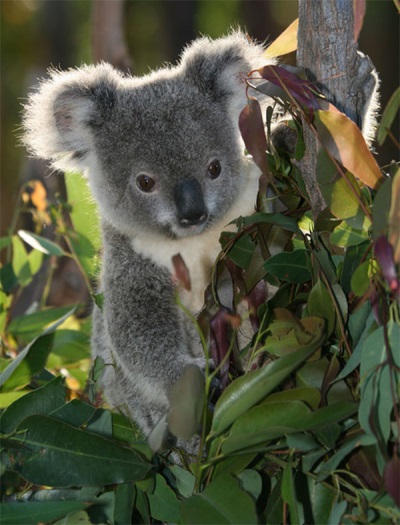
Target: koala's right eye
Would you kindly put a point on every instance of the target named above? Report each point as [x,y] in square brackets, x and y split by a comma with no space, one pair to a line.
[145,183]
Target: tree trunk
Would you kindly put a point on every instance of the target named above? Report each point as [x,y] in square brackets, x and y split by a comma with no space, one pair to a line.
[108,42]
[327,50]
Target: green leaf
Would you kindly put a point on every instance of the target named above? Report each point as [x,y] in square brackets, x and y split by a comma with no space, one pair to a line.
[164,505]
[124,503]
[41,244]
[86,225]
[31,325]
[322,499]
[29,362]
[352,260]
[389,114]
[293,267]
[222,502]
[32,513]
[242,250]
[84,214]
[287,223]
[41,401]
[344,235]
[72,518]
[251,388]
[320,304]
[20,262]
[75,413]
[338,510]
[251,482]
[184,480]
[376,401]
[326,468]
[269,421]
[87,459]
[360,279]
[290,497]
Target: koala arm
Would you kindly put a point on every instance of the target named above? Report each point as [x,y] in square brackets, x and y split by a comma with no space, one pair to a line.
[148,331]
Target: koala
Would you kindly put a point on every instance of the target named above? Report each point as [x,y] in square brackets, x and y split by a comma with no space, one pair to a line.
[165,162]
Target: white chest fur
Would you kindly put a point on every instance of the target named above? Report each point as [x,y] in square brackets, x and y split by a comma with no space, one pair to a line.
[200,251]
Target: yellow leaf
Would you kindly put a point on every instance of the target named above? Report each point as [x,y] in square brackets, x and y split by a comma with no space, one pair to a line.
[285,43]
[345,143]
[394,218]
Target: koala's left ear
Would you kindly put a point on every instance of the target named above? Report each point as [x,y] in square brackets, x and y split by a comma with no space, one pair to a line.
[219,68]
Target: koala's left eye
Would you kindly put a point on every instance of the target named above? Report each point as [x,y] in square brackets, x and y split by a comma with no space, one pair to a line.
[214,169]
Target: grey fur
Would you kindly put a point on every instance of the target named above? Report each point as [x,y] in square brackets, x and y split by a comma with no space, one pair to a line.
[169,125]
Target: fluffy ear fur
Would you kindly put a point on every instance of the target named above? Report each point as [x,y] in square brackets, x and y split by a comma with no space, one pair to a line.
[60,117]
[219,68]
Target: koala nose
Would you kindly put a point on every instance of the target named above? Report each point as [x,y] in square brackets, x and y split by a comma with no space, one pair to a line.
[189,202]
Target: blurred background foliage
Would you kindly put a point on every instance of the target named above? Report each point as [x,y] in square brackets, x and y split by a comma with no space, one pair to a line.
[38,33]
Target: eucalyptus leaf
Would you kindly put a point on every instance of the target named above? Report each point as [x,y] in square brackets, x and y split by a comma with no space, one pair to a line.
[40,401]
[261,424]
[41,244]
[294,267]
[251,388]
[164,504]
[87,459]
[222,501]
[32,513]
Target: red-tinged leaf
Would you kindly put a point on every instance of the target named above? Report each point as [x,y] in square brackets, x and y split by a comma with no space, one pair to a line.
[359,8]
[285,43]
[301,90]
[391,477]
[256,298]
[251,127]
[345,143]
[181,272]
[220,343]
[384,253]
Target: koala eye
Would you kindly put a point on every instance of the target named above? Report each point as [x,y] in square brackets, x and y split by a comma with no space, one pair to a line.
[145,183]
[214,169]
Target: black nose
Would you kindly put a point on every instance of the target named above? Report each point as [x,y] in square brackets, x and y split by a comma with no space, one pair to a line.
[189,202]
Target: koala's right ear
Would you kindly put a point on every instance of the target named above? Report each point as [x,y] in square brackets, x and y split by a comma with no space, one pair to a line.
[59,118]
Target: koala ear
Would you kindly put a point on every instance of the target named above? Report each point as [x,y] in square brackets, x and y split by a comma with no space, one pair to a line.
[61,116]
[219,68]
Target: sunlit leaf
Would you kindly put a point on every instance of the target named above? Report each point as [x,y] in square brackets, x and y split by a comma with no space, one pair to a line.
[344,141]
[285,43]
[41,243]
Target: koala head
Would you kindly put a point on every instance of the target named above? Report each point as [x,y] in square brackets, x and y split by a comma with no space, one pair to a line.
[162,152]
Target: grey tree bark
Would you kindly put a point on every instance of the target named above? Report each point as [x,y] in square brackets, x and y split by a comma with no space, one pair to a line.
[327,50]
